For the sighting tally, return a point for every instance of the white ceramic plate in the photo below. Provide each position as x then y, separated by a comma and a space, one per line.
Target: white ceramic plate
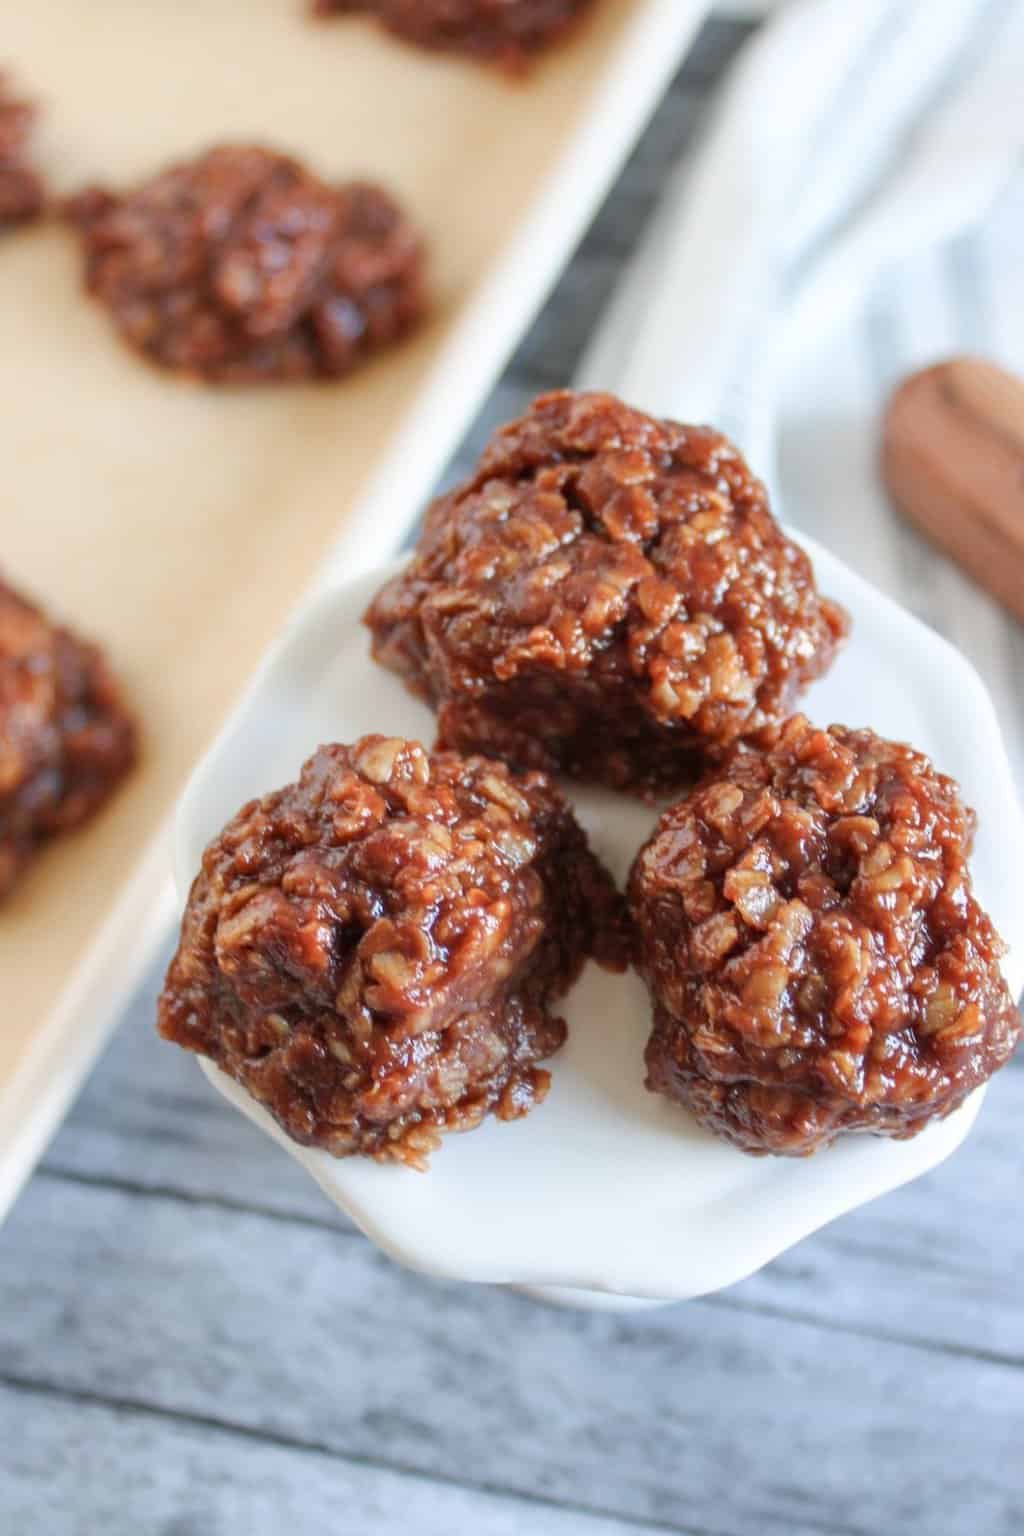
605, 1187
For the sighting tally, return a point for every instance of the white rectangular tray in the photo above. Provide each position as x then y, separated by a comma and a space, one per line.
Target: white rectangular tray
180, 526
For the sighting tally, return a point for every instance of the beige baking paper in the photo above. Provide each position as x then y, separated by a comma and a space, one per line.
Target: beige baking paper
176, 523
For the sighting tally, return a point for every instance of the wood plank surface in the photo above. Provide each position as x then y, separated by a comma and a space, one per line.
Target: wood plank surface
310, 1336
122, 1470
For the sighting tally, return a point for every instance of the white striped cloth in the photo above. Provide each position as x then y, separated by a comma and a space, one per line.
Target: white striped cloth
855, 211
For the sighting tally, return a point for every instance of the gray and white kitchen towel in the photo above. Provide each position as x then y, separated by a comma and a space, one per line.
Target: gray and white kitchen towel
855, 210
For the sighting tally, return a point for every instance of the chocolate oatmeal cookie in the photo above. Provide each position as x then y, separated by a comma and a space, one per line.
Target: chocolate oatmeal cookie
507, 32
374, 952
242, 266
609, 596
816, 956
66, 737
22, 194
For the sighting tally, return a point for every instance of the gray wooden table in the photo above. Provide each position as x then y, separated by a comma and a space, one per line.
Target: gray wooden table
192, 1343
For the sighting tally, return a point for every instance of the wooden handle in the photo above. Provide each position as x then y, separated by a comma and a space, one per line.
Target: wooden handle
953, 463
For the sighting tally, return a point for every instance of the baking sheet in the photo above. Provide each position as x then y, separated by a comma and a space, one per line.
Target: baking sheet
177, 524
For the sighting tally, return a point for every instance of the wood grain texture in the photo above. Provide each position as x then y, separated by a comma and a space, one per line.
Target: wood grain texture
314, 1338
193, 1343
122, 1470
953, 463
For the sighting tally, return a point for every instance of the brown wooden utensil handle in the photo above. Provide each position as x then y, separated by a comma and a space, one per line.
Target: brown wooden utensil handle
953, 463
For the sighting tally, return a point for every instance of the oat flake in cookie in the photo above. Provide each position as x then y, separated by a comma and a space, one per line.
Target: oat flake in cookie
507, 32
373, 952
609, 595
242, 266
813, 949
22, 195
66, 738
